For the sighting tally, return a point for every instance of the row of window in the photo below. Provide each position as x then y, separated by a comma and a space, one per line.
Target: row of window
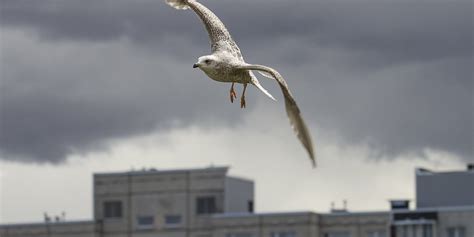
207, 205
424, 230
204, 205
113, 209
148, 222
413, 230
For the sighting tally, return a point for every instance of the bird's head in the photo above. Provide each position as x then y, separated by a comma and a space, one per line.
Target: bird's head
206, 62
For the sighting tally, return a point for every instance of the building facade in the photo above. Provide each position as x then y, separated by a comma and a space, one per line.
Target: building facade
440, 189
209, 203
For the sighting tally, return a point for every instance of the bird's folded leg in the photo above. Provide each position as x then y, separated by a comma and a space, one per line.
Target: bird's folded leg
242, 99
233, 95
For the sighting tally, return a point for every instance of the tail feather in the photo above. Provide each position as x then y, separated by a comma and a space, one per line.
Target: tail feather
260, 87
178, 4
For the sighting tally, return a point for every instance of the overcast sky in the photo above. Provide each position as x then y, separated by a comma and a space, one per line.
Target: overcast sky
106, 85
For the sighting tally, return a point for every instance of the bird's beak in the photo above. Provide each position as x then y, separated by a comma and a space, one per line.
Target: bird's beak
195, 65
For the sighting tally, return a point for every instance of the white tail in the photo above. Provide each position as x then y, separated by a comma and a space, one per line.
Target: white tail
260, 87
178, 4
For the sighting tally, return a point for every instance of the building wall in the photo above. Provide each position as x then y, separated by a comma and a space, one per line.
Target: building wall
456, 218
160, 193
60, 229
444, 189
238, 193
157, 194
355, 224
302, 224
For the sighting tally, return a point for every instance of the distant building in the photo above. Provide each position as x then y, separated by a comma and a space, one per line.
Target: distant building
444, 189
209, 203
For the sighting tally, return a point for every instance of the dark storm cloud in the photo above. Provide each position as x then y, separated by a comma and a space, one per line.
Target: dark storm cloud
59, 99
419, 29
393, 74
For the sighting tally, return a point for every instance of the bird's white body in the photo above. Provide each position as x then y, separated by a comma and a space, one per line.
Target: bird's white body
224, 69
226, 64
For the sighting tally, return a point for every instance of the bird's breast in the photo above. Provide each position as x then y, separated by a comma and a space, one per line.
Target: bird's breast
238, 76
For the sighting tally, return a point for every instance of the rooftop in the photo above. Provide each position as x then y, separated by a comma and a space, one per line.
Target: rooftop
423, 171
153, 171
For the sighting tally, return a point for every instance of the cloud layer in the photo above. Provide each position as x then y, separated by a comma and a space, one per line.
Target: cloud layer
394, 75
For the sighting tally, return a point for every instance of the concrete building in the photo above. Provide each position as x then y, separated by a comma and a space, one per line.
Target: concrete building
209, 203
440, 189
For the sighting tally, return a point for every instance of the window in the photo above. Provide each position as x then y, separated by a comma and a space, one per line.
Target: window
112, 209
283, 234
145, 222
456, 231
206, 205
250, 206
414, 230
173, 220
405, 231
427, 230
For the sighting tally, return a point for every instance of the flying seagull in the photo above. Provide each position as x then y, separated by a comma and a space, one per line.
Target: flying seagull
226, 64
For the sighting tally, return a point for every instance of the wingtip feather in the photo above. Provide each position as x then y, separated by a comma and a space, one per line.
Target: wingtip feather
178, 4
313, 161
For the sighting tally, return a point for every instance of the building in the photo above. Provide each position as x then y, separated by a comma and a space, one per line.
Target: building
209, 203
444, 206
436, 189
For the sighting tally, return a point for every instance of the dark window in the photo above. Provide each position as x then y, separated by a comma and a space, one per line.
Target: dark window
415, 216
145, 222
250, 206
404, 231
427, 230
413, 230
112, 209
173, 219
206, 205
456, 231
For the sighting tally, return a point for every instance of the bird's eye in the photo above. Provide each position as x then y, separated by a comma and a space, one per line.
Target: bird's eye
207, 61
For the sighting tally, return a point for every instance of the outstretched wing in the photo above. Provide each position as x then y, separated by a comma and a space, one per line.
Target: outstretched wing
219, 35
292, 109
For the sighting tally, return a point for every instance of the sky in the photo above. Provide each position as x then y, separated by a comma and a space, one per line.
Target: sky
108, 85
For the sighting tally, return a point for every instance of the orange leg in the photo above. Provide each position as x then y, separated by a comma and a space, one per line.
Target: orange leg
242, 99
233, 95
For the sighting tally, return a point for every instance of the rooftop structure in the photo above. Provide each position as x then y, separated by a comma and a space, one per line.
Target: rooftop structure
445, 189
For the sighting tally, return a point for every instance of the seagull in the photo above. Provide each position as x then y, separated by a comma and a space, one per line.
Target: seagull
226, 64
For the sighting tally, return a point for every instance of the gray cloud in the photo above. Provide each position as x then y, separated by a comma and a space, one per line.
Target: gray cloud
51, 107
394, 74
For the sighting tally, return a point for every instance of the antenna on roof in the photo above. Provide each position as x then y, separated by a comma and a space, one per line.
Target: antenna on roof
47, 219
340, 210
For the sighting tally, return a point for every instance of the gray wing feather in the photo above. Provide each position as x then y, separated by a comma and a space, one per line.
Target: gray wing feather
220, 37
292, 109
